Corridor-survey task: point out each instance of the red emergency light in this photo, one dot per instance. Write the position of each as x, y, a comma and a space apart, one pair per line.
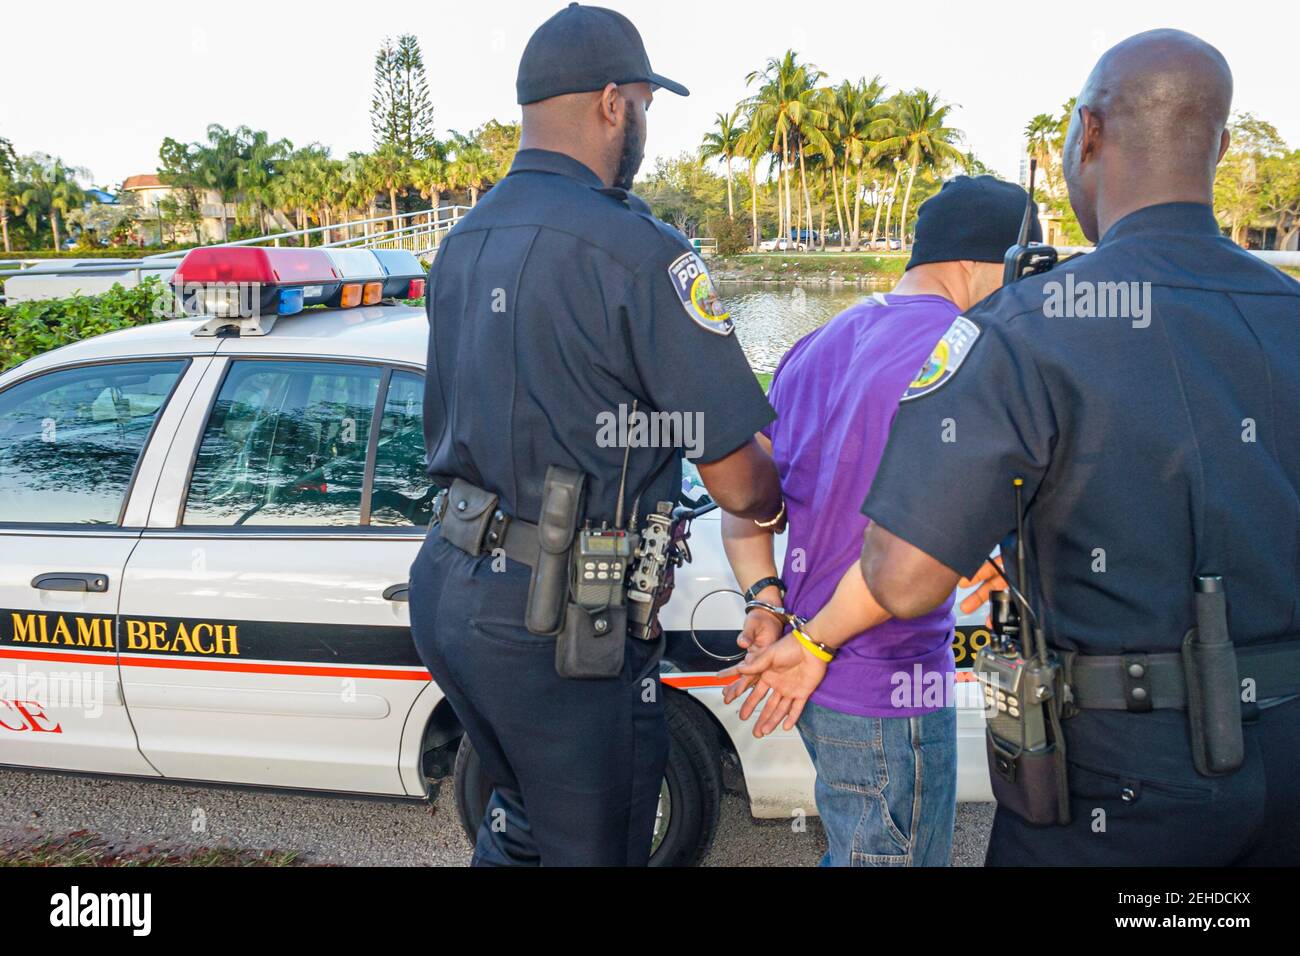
230, 280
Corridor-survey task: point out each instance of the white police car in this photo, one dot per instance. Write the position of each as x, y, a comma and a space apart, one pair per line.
204, 544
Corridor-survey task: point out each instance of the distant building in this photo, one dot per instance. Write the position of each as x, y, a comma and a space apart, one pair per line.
149, 192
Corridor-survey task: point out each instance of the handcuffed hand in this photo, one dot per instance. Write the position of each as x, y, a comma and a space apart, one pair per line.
786, 674
989, 578
761, 631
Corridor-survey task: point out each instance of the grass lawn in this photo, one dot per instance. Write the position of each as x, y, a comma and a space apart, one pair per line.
768, 266
89, 849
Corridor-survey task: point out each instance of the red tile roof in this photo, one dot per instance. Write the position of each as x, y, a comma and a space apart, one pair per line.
144, 181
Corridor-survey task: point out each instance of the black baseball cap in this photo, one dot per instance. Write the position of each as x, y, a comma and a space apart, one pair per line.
972, 218
580, 50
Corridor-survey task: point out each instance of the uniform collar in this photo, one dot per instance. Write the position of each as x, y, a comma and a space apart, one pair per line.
1183, 218
548, 161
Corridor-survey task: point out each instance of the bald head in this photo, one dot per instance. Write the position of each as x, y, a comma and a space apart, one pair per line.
1149, 127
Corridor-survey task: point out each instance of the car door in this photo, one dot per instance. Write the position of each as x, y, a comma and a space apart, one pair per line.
266, 637
72, 441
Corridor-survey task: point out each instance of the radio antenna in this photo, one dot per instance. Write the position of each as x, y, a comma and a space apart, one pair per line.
1022, 572
1027, 222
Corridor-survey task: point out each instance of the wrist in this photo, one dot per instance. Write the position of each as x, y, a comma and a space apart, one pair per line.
769, 589
812, 646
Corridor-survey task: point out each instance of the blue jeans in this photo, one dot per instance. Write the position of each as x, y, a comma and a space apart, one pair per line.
886, 786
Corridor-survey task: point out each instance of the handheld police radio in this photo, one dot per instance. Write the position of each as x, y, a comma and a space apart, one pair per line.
1027, 258
1022, 687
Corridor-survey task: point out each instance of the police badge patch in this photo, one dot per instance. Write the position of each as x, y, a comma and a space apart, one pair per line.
946, 358
695, 289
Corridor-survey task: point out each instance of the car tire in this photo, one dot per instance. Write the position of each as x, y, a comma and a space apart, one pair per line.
692, 785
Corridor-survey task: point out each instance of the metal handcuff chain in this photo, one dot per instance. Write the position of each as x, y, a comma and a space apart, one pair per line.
791, 620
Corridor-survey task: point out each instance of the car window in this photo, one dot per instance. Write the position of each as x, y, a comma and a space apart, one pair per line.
285, 444
70, 440
403, 493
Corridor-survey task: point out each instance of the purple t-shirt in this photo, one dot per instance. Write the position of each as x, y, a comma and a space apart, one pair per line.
835, 394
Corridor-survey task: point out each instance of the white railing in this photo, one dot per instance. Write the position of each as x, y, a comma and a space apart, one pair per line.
418, 232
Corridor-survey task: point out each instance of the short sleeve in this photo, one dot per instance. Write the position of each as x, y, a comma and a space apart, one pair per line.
945, 482
686, 354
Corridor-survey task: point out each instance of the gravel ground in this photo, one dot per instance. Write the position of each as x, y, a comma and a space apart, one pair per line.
130, 814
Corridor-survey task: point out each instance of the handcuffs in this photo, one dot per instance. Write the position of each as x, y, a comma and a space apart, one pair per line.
795, 622
796, 625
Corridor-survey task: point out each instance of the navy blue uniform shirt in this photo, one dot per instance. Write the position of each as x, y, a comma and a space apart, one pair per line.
553, 305
1155, 444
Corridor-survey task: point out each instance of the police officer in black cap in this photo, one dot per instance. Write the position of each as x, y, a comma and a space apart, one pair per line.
558, 305
1148, 396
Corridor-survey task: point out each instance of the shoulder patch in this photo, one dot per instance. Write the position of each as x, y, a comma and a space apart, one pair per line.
699, 298
946, 358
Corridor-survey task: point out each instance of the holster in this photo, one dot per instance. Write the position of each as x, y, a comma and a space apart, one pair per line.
591, 644
1033, 785
1213, 690
548, 588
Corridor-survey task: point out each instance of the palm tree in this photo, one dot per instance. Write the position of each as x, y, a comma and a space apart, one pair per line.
432, 177
1040, 132
9, 193
470, 166
256, 175
723, 143
752, 145
50, 188
392, 167
860, 117
295, 188
218, 164
786, 105
920, 137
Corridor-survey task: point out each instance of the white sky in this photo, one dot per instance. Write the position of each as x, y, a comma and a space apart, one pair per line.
302, 70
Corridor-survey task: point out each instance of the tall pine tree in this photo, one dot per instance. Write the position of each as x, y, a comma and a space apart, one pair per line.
401, 114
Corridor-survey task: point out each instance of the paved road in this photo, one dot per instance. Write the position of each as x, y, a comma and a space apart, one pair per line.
350, 832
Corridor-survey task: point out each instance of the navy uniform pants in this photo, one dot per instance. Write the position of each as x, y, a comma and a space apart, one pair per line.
1137, 800
576, 766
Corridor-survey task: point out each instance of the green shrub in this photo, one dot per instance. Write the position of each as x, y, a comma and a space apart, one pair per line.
732, 234
30, 328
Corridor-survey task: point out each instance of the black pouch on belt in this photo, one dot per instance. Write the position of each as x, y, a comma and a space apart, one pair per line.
465, 520
1213, 687
1031, 785
548, 589
591, 643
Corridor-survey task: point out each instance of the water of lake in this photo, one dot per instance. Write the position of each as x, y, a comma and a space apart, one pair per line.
771, 318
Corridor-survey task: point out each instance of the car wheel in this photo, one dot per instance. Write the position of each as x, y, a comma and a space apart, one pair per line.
690, 798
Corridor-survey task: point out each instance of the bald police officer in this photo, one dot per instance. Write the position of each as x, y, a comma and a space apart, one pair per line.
1148, 394
559, 304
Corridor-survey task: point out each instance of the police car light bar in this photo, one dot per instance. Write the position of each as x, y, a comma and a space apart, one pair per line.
403, 274
247, 287
362, 277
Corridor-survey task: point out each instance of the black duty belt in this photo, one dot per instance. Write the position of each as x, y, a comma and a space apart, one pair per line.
1142, 682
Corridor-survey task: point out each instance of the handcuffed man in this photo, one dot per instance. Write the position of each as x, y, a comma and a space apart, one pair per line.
858, 683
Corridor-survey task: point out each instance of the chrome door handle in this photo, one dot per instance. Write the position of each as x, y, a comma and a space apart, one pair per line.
71, 581
397, 592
